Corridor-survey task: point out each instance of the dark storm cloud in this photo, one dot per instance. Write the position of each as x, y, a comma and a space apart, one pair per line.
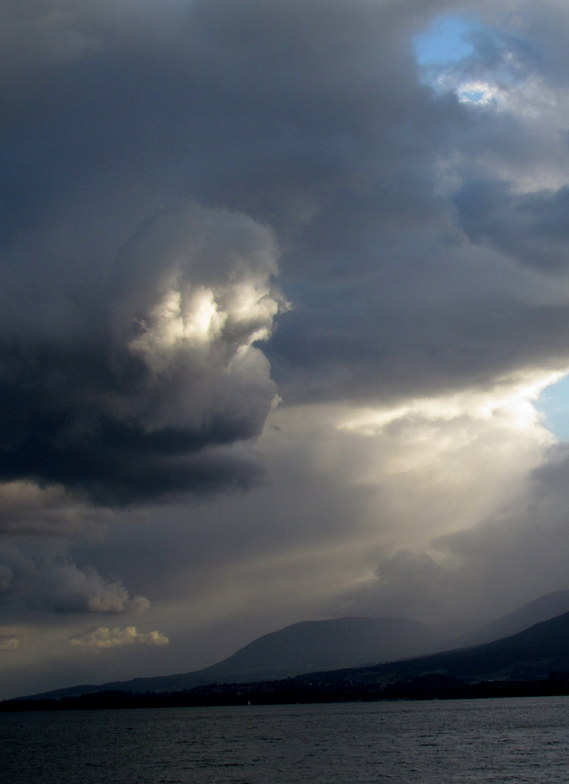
160, 374
539, 35
531, 228
115, 116
264, 107
307, 118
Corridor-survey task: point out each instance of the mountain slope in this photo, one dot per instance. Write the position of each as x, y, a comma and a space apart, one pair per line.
514, 666
312, 646
302, 647
541, 609
528, 655
296, 648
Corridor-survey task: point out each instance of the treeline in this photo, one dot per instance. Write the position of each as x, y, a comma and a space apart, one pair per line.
299, 690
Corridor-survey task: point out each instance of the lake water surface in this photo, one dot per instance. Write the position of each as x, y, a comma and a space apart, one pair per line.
484, 741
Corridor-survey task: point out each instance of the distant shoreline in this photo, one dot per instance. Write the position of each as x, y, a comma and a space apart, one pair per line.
300, 691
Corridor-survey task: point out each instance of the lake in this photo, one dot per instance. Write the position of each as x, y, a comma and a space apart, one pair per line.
518, 740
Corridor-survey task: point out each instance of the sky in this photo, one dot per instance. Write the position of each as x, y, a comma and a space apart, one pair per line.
284, 322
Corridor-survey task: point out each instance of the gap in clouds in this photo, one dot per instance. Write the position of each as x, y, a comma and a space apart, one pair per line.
445, 41
459, 54
554, 405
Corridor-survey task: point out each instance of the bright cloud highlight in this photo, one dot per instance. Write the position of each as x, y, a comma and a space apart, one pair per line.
116, 637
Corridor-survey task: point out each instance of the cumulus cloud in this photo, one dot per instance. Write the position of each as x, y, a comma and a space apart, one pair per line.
169, 372
116, 637
49, 582
67, 589
142, 362
29, 510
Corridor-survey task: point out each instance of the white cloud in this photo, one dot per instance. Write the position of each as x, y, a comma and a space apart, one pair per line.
116, 637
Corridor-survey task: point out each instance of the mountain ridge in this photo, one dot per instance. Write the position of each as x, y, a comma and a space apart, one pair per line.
544, 607
301, 647
531, 654
534, 662
325, 645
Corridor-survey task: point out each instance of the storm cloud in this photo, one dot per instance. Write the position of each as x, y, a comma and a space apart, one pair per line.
161, 372
277, 304
310, 120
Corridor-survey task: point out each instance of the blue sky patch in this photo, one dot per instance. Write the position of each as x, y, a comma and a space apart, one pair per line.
445, 41
554, 404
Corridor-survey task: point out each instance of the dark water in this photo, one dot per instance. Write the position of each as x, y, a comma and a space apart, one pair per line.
483, 741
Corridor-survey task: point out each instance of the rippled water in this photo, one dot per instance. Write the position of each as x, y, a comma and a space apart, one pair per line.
484, 741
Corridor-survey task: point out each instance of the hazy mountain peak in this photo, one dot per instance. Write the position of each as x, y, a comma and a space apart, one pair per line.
541, 609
